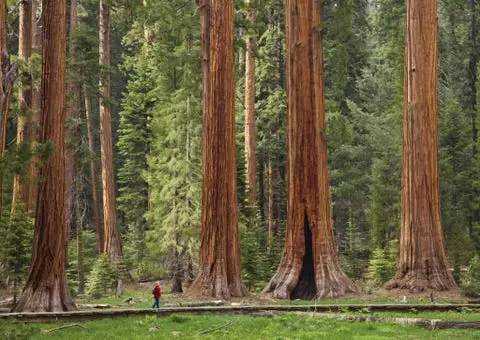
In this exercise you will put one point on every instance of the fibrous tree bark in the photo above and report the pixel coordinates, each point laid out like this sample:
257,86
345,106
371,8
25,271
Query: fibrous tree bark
310,266
422,263
93,177
21,186
46,287
219,273
250,155
112,243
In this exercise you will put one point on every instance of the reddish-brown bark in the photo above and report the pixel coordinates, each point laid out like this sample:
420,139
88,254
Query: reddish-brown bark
93,176
36,45
250,155
21,185
112,243
310,266
219,273
422,263
46,287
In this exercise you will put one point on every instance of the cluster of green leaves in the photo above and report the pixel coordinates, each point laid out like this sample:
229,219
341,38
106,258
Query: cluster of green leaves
16,237
470,281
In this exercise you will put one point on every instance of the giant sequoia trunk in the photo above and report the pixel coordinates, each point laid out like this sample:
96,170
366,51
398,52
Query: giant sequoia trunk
219,272
46,287
112,243
422,263
310,267
21,187
250,156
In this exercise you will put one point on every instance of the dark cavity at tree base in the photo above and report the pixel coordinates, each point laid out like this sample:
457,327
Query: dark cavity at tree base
297,278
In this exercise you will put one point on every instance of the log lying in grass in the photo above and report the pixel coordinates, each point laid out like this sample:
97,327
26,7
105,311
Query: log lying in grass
202,303
63,327
99,314
95,306
426,323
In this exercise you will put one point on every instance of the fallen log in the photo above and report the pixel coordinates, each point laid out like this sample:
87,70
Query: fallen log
95,306
426,323
213,329
99,314
202,303
63,327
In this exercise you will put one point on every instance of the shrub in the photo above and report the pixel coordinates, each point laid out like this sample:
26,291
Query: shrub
102,278
470,281
381,267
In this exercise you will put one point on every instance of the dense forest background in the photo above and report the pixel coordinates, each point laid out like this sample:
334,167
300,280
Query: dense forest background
157,127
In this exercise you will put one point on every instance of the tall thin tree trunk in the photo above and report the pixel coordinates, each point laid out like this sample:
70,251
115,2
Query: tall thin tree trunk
422,263
72,115
250,155
21,187
3,110
93,176
310,265
79,231
472,102
272,205
36,46
46,287
219,273
112,243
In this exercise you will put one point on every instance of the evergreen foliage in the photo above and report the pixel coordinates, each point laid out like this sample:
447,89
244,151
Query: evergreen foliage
102,278
16,237
471,279
381,267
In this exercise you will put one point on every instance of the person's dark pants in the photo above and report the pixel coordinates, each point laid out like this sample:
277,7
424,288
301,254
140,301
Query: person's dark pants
156,303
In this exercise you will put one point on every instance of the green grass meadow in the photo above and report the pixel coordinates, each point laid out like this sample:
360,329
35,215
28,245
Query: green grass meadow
238,327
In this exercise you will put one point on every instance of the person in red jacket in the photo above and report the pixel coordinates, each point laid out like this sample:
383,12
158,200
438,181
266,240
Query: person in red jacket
157,292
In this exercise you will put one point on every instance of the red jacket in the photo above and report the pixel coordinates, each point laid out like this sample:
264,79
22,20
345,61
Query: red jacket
157,292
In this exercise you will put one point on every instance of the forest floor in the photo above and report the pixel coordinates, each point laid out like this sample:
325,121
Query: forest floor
141,297
214,326
274,326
